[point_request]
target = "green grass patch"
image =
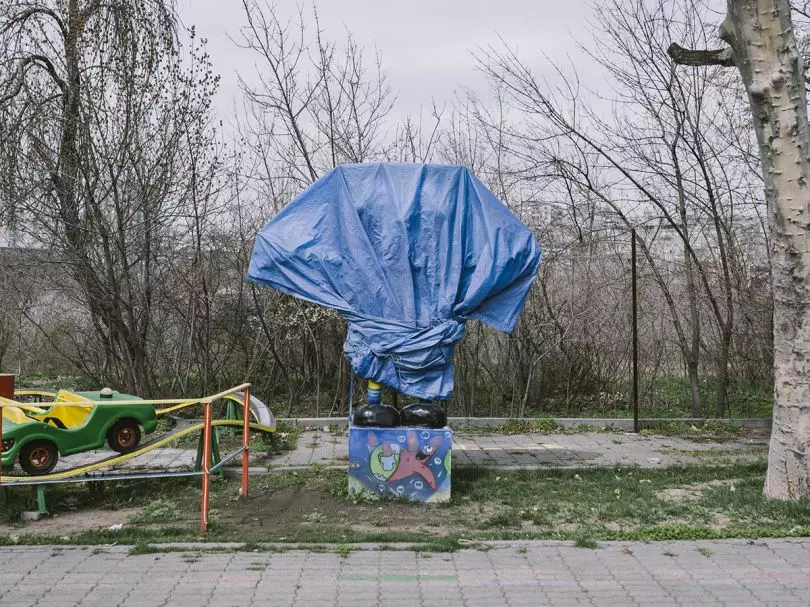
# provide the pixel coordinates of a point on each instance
(586, 506)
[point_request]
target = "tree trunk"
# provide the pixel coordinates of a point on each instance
(692, 352)
(761, 35)
(722, 374)
(694, 386)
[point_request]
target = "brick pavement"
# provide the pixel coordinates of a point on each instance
(510, 451)
(504, 451)
(733, 572)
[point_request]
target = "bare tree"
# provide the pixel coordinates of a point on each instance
(655, 153)
(96, 102)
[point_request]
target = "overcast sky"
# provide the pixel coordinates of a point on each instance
(425, 45)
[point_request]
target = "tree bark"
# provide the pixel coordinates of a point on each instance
(760, 34)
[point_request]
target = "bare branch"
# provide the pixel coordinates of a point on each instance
(23, 16)
(17, 81)
(695, 58)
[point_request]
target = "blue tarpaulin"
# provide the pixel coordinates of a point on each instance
(406, 253)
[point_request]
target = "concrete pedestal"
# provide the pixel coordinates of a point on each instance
(409, 462)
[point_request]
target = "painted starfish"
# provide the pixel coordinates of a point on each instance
(413, 461)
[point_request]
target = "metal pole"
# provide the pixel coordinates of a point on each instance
(636, 427)
(245, 441)
(351, 391)
(206, 465)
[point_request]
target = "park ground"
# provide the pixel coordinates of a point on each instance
(584, 486)
(591, 516)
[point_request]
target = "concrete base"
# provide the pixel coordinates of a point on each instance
(406, 462)
(32, 515)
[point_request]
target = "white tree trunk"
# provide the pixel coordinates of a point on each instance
(761, 35)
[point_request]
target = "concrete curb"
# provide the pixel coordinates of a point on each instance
(416, 546)
(495, 422)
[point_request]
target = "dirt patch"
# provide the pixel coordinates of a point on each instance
(300, 509)
(693, 492)
(70, 523)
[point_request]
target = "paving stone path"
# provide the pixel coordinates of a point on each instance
(504, 451)
(511, 451)
(772, 572)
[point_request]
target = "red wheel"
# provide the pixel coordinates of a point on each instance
(38, 457)
(124, 436)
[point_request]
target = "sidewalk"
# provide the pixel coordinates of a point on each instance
(492, 450)
(735, 572)
(531, 451)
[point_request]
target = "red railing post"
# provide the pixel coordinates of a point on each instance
(6, 391)
(206, 465)
(245, 440)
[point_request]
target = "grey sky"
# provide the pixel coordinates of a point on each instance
(425, 45)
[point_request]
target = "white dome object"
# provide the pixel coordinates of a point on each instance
(106, 392)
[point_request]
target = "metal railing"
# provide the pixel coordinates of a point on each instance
(207, 429)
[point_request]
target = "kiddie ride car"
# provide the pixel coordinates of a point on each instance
(40, 434)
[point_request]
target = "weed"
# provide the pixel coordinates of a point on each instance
(158, 511)
(285, 437)
(510, 518)
(586, 542)
(314, 517)
(141, 548)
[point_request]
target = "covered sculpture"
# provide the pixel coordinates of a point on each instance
(406, 253)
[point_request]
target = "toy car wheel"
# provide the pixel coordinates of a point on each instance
(38, 457)
(124, 436)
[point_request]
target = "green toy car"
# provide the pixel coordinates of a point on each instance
(38, 436)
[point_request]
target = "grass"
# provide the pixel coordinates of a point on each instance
(666, 428)
(670, 397)
(587, 506)
(586, 542)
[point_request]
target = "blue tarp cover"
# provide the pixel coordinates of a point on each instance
(406, 253)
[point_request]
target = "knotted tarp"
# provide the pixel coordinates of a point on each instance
(406, 253)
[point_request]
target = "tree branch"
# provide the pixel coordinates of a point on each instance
(38, 10)
(684, 56)
(16, 83)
